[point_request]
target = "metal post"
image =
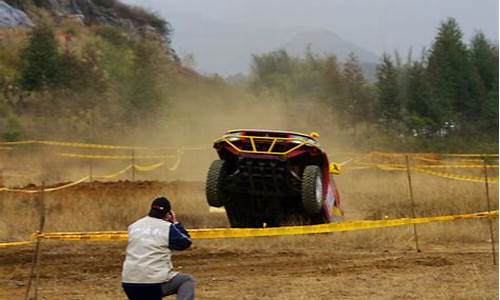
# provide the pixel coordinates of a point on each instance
(133, 165)
(490, 219)
(92, 140)
(2, 184)
(167, 171)
(35, 263)
(91, 170)
(415, 233)
(38, 240)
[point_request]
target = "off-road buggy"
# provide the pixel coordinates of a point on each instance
(272, 178)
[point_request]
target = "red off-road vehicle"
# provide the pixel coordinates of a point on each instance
(273, 178)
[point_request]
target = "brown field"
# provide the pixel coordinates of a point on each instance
(455, 262)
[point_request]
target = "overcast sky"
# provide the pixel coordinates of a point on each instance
(376, 25)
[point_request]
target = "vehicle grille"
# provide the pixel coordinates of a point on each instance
(264, 177)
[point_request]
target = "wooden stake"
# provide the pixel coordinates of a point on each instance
(91, 170)
(415, 233)
(2, 195)
(490, 218)
(133, 165)
(35, 263)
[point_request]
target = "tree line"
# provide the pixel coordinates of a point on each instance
(447, 98)
(74, 80)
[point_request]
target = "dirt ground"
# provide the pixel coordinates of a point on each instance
(455, 262)
(307, 267)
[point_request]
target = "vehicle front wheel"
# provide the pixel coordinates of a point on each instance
(216, 178)
(312, 190)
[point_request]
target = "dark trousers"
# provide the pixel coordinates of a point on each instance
(182, 284)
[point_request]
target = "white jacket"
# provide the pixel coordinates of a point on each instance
(148, 258)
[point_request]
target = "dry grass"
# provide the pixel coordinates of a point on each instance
(377, 194)
(365, 195)
(455, 262)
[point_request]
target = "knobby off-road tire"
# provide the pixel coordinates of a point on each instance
(312, 190)
(214, 189)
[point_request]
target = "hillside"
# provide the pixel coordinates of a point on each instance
(87, 69)
(324, 41)
(226, 47)
(92, 12)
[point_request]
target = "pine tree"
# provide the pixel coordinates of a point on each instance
(388, 91)
(358, 102)
(424, 119)
(40, 59)
(484, 57)
(450, 72)
(331, 84)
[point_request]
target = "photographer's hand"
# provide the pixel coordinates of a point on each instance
(171, 217)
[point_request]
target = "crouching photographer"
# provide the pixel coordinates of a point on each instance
(148, 271)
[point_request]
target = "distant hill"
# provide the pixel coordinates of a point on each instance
(227, 48)
(323, 41)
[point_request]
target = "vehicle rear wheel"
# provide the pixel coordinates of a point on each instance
(214, 190)
(312, 190)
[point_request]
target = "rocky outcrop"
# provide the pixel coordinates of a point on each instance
(107, 12)
(11, 17)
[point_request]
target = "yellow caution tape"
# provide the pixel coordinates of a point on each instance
(470, 155)
(355, 159)
(116, 173)
(402, 166)
(456, 176)
(211, 233)
(433, 154)
(385, 167)
(458, 166)
(394, 167)
(219, 233)
(471, 160)
(346, 162)
(18, 142)
(360, 168)
(67, 185)
(180, 153)
(426, 170)
(430, 160)
(15, 244)
(149, 167)
(390, 168)
(139, 168)
(6, 189)
(72, 144)
(85, 145)
(117, 157)
(53, 189)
